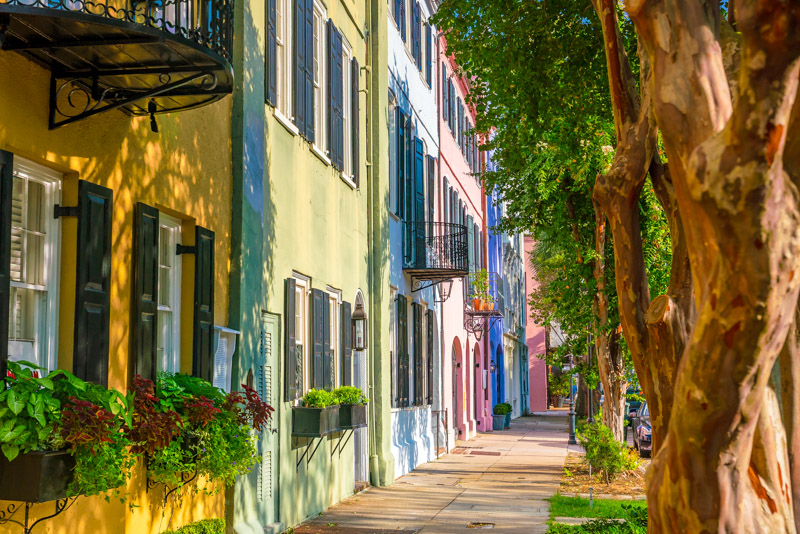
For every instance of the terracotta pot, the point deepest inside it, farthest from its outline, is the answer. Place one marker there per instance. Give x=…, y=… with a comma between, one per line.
x=476, y=304
x=489, y=306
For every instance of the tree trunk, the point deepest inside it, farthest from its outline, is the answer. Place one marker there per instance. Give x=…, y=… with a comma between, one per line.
x=724, y=464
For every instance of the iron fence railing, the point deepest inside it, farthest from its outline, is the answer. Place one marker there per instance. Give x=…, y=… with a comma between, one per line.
x=435, y=246
x=208, y=23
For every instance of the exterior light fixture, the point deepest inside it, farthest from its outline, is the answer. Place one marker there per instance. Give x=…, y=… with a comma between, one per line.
x=444, y=288
x=493, y=367
x=359, y=319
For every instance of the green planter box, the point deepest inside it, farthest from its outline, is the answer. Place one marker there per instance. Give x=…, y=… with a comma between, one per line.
x=36, y=476
x=352, y=416
x=498, y=422
x=315, y=422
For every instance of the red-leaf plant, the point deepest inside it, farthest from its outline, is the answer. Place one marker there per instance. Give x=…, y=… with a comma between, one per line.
x=152, y=429
x=200, y=411
x=248, y=409
x=84, y=423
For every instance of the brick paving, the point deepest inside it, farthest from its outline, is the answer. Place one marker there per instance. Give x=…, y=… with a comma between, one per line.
x=496, y=481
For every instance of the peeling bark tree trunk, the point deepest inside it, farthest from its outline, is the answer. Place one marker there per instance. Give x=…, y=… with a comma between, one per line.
x=724, y=463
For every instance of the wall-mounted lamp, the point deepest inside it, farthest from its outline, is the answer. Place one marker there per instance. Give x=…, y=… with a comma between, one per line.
x=359, y=319
x=444, y=288
x=493, y=367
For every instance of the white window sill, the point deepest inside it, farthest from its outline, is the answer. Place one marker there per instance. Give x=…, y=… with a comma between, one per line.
x=348, y=180
x=394, y=216
x=286, y=122
x=320, y=154
x=411, y=408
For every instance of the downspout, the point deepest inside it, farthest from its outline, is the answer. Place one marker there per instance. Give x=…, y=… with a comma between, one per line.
x=443, y=352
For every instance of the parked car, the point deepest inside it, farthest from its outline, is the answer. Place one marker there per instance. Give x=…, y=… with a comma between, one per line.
x=642, y=431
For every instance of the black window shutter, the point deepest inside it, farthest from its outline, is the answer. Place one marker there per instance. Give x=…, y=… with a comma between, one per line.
x=299, y=78
x=460, y=125
x=419, y=203
x=271, y=71
x=6, y=191
x=446, y=200
x=402, y=21
x=347, y=345
x=327, y=362
x=402, y=350
x=145, y=290
x=470, y=244
x=431, y=186
x=445, y=99
x=93, y=283
x=203, y=348
x=416, y=49
x=429, y=359
x=419, y=381
x=318, y=335
x=293, y=367
x=400, y=122
x=428, y=55
x=308, y=68
x=354, y=73
x=452, y=111
x=335, y=97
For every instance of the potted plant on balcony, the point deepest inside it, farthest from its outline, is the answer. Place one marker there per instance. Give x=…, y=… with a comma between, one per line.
x=60, y=436
x=185, y=428
x=318, y=416
x=499, y=416
x=481, y=297
x=352, y=407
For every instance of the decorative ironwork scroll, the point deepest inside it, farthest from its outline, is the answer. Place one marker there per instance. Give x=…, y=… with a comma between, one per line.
x=7, y=515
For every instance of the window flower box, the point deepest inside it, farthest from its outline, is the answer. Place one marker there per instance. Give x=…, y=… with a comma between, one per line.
x=315, y=422
x=352, y=416
x=36, y=476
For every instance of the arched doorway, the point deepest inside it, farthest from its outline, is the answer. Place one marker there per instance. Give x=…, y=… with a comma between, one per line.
x=500, y=375
x=458, y=387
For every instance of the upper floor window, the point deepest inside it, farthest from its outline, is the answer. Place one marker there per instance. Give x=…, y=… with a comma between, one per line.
x=334, y=299
x=320, y=89
x=393, y=202
x=35, y=253
x=284, y=64
x=301, y=330
x=347, y=112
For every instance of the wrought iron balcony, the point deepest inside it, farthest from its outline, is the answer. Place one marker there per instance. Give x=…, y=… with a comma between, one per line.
x=434, y=251
x=142, y=56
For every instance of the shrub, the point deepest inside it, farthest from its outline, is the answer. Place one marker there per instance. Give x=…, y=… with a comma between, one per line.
x=205, y=526
x=604, y=453
x=349, y=395
x=502, y=408
x=319, y=398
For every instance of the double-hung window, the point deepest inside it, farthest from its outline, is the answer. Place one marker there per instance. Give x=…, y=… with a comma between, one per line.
x=334, y=298
x=169, y=294
x=284, y=63
x=320, y=70
x=347, y=113
x=35, y=253
x=393, y=155
x=301, y=328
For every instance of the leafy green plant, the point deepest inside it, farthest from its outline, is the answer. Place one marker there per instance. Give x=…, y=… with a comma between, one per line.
x=605, y=454
x=349, y=395
x=502, y=408
x=319, y=398
x=61, y=411
x=187, y=427
x=480, y=286
x=204, y=526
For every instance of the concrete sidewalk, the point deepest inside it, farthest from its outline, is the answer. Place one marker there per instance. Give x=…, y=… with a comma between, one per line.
x=497, y=480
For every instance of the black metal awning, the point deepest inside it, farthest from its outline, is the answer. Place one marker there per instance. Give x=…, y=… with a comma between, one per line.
x=144, y=57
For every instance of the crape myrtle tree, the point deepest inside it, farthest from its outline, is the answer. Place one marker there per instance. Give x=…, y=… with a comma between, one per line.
x=718, y=353
x=547, y=106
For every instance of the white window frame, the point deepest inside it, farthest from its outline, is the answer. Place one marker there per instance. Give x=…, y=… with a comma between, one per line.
x=320, y=84
x=283, y=38
x=302, y=326
x=347, y=106
x=170, y=361
x=334, y=306
x=47, y=330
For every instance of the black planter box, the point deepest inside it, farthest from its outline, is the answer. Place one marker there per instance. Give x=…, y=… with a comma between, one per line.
x=315, y=422
x=36, y=476
x=352, y=416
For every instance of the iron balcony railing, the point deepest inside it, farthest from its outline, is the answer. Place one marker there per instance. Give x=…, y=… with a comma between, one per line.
x=436, y=246
x=208, y=23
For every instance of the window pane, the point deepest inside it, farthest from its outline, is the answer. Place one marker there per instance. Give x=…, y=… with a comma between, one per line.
x=35, y=207
x=164, y=349
x=34, y=260
x=17, y=228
